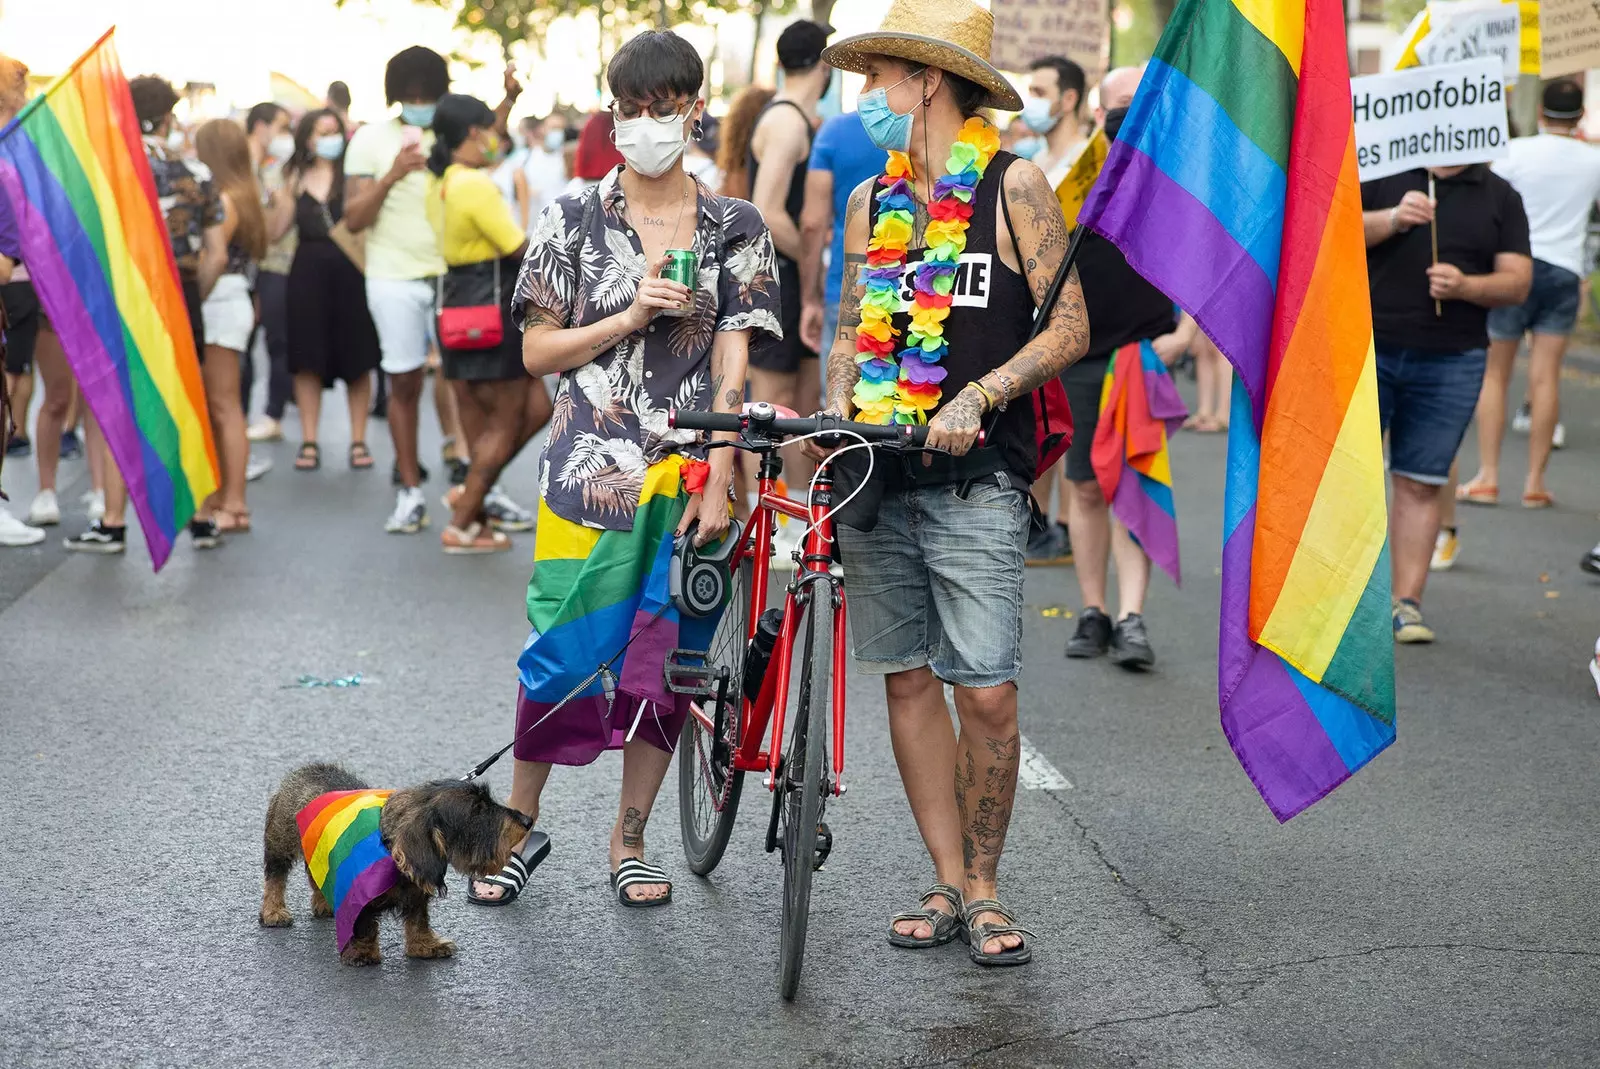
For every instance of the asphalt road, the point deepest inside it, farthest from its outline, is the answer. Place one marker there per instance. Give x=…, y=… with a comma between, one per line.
x=1436, y=911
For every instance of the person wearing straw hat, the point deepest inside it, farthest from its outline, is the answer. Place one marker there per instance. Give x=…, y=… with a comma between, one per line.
x=946, y=255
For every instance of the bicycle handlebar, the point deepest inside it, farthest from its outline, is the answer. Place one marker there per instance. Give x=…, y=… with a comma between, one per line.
x=763, y=419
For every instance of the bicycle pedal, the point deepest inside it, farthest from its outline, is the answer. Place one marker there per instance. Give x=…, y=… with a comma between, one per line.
x=695, y=680
x=824, y=845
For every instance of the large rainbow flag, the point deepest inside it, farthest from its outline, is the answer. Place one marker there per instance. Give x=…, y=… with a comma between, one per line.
x=1140, y=410
x=1232, y=187
x=77, y=187
x=345, y=855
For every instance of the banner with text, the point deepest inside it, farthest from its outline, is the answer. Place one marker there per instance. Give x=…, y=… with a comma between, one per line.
x=1430, y=117
x=1569, y=33
x=1493, y=31
x=1026, y=30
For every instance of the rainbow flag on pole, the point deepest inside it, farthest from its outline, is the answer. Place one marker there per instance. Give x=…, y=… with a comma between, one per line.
x=77, y=188
x=1232, y=187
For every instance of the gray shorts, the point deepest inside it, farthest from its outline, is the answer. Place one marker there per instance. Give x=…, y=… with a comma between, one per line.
x=939, y=582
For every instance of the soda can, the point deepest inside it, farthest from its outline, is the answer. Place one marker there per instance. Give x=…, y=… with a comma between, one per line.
x=683, y=268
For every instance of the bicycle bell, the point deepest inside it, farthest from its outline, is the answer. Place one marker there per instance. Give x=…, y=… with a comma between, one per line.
x=698, y=581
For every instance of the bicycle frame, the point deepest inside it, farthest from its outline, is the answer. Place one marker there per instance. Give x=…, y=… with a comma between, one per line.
x=812, y=578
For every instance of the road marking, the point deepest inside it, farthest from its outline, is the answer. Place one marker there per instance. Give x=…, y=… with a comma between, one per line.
x=1035, y=773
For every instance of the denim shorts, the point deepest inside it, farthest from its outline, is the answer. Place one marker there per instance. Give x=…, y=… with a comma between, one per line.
x=1425, y=402
x=1551, y=307
x=939, y=582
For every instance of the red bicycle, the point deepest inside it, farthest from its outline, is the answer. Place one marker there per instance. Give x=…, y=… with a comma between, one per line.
x=743, y=680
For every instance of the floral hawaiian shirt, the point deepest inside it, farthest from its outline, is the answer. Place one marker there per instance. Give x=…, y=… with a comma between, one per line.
x=610, y=419
x=190, y=202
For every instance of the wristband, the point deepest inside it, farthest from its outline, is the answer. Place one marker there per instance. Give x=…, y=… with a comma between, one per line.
x=989, y=399
x=1394, y=219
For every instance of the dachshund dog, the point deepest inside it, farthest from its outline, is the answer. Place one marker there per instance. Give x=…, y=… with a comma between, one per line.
x=422, y=829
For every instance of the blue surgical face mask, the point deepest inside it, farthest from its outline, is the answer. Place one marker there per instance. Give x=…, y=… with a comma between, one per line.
x=329, y=146
x=1029, y=147
x=1036, y=116
x=887, y=128
x=554, y=139
x=417, y=114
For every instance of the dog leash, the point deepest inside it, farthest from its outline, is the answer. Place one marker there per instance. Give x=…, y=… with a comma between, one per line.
x=608, y=684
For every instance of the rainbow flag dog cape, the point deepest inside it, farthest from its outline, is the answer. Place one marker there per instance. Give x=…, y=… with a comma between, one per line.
x=345, y=853
x=1232, y=187
x=78, y=192
x=1139, y=411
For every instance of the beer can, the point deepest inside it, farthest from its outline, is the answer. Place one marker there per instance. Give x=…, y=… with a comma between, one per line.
x=683, y=268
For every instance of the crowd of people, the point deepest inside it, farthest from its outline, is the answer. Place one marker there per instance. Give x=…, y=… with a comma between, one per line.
x=525, y=263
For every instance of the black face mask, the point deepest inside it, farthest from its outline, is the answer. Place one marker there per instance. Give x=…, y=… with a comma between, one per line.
x=1114, y=119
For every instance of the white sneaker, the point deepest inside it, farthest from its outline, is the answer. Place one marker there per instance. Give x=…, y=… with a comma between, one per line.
x=265, y=430
x=1522, y=421
x=1594, y=663
x=45, y=512
x=256, y=467
x=13, y=532
x=94, y=503
x=1558, y=440
x=410, y=512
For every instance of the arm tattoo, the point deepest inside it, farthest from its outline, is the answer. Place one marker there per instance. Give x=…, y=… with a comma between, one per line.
x=1042, y=233
x=730, y=400
x=606, y=342
x=538, y=317
x=842, y=370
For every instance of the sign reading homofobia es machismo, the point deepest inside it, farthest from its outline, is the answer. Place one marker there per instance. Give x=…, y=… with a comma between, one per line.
x=1430, y=117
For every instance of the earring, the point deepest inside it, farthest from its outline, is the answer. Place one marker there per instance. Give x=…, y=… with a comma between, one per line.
x=697, y=130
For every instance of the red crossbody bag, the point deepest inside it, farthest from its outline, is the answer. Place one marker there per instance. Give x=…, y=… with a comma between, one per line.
x=470, y=326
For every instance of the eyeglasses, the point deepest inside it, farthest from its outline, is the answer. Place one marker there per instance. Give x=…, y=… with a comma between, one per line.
x=662, y=110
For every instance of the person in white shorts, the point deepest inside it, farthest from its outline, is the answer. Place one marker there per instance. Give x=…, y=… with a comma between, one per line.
x=386, y=196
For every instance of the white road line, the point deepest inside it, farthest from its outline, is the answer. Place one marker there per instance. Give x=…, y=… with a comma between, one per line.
x=1036, y=773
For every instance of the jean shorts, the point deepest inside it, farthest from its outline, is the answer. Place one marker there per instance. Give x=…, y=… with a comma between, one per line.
x=939, y=582
x=1551, y=307
x=402, y=310
x=1425, y=402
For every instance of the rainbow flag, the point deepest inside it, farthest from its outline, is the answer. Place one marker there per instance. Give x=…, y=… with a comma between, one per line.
x=77, y=187
x=593, y=592
x=345, y=854
x=1139, y=412
x=1232, y=187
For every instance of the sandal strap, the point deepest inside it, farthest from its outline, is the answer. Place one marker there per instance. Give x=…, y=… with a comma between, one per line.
x=988, y=905
x=946, y=892
x=634, y=871
x=513, y=876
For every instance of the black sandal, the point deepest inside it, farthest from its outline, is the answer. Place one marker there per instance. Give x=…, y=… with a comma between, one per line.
x=633, y=871
x=945, y=925
x=976, y=937
x=514, y=877
x=360, y=457
x=308, y=458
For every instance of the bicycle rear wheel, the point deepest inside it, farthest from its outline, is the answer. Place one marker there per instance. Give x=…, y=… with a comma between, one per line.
x=708, y=785
x=804, y=784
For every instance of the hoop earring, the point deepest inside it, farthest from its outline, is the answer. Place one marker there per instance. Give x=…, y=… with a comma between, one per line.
x=697, y=130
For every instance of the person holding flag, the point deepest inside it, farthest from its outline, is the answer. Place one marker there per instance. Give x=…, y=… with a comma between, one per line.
x=974, y=236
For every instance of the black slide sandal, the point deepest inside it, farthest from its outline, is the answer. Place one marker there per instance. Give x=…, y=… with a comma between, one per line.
x=514, y=877
x=632, y=871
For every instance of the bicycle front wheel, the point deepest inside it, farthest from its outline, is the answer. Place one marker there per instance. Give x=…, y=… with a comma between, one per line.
x=804, y=783
x=708, y=785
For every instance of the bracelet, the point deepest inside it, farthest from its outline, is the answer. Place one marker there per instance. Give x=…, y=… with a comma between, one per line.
x=1006, y=390
x=989, y=399
x=1394, y=219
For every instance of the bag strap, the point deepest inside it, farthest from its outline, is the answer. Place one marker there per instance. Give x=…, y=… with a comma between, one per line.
x=444, y=226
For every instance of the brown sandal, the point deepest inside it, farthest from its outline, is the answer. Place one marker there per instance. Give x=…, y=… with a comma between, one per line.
x=233, y=521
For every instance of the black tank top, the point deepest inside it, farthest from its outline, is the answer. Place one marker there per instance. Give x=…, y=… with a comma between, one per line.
x=989, y=321
x=795, y=202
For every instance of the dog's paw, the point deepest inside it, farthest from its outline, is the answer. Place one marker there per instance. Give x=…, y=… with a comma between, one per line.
x=276, y=918
x=435, y=948
x=320, y=908
x=360, y=956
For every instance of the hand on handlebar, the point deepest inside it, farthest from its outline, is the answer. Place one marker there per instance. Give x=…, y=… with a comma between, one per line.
x=814, y=449
x=955, y=429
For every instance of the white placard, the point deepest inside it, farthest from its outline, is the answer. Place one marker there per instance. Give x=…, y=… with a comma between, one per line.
x=1494, y=31
x=1430, y=117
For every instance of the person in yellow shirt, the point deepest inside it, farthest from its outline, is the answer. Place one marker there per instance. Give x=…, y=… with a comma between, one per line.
x=501, y=406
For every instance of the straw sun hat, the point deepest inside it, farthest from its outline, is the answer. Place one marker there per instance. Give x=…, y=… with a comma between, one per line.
x=953, y=35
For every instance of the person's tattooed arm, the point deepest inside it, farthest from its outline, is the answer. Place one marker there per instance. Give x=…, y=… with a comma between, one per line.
x=842, y=371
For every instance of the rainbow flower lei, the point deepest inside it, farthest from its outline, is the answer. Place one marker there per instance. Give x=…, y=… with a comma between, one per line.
x=903, y=386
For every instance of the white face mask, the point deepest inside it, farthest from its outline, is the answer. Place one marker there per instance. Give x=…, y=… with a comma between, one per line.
x=650, y=147
x=175, y=140
x=281, y=147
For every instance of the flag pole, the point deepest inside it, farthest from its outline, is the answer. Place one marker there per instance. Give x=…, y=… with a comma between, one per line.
x=1433, y=232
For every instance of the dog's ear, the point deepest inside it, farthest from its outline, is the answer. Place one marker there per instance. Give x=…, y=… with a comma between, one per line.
x=418, y=852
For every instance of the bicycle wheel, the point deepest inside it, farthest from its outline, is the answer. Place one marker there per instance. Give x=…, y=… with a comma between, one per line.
x=708, y=785
x=804, y=783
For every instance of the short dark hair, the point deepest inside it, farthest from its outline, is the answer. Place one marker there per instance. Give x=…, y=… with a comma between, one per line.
x=153, y=100
x=265, y=113
x=655, y=63
x=1068, y=75
x=453, y=120
x=801, y=43
x=339, y=95
x=416, y=73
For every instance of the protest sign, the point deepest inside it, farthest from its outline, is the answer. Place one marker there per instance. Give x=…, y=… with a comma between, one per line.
x=1074, y=188
x=1440, y=17
x=1430, y=117
x=1569, y=32
x=1026, y=30
x=1489, y=31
